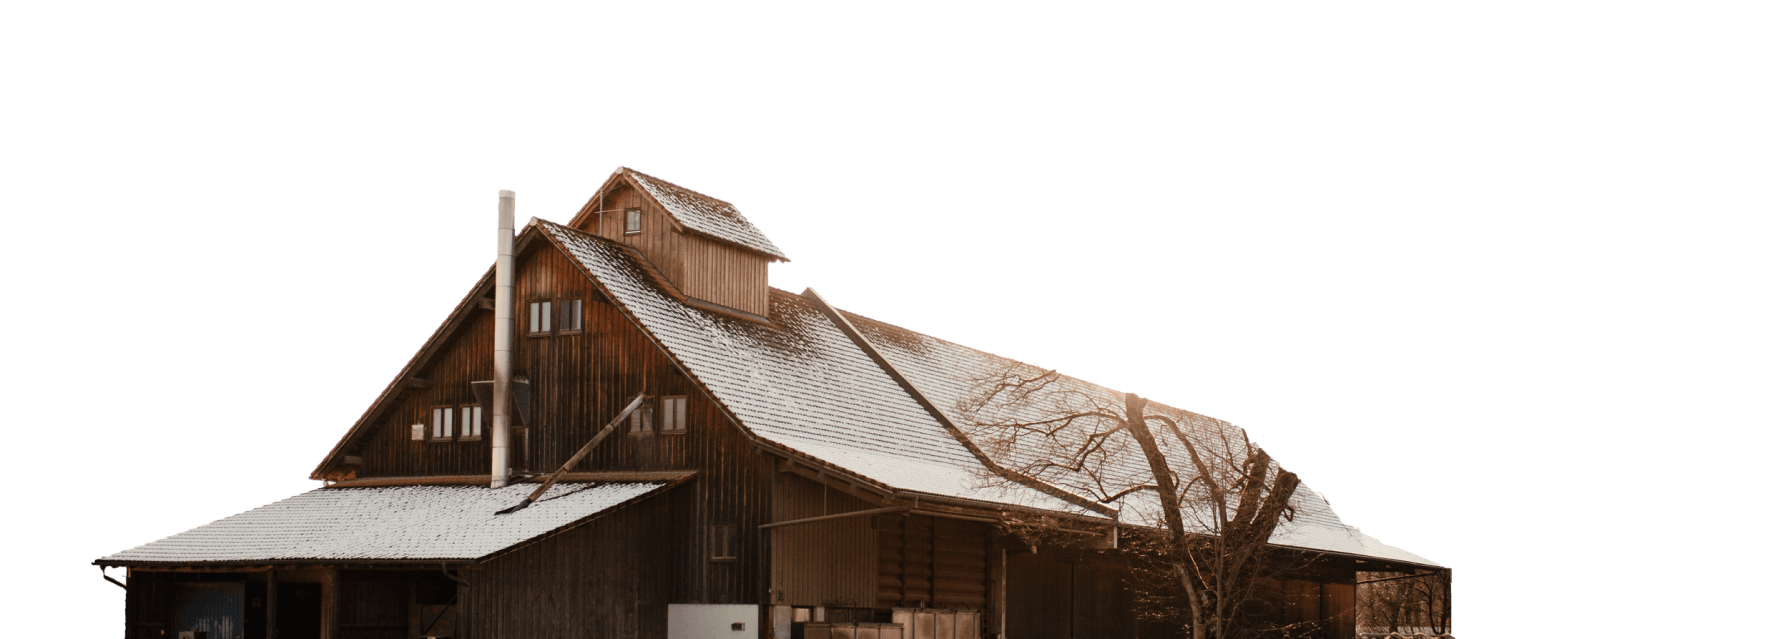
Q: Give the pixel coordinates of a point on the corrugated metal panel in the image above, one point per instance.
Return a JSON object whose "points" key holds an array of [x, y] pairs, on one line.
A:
{"points": [[823, 563], [214, 608]]}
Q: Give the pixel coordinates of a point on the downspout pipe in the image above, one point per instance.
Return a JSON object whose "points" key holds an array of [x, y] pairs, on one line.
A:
{"points": [[505, 341]]}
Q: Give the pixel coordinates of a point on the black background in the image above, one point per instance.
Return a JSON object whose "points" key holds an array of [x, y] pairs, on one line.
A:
{"points": [[1331, 285]]}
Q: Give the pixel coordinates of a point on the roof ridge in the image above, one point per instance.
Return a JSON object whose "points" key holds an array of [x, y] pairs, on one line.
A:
{"points": [[679, 187]]}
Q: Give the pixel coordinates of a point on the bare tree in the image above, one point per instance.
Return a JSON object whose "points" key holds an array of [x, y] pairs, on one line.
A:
{"points": [[1216, 496], [1395, 602]]}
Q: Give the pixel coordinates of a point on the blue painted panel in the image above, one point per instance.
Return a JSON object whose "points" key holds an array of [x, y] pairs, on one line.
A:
{"points": [[213, 608]]}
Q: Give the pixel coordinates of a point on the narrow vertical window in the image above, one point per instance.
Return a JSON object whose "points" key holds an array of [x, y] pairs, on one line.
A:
{"points": [[641, 420], [471, 421], [676, 414], [723, 542], [540, 318], [443, 417], [574, 315], [633, 221], [533, 317]]}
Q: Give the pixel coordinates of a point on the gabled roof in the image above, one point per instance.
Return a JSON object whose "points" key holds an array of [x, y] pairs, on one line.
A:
{"points": [[702, 214], [407, 523], [803, 386]]}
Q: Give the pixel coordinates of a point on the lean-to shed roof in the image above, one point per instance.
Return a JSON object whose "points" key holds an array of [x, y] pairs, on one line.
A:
{"points": [[405, 523]]}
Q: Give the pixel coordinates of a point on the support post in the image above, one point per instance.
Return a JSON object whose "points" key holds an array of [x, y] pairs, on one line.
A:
{"points": [[332, 604], [272, 604]]}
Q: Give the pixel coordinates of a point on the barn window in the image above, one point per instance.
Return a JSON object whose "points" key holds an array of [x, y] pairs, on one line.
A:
{"points": [[471, 421], [676, 414], [443, 421], [641, 419], [633, 221], [724, 542], [571, 319], [464, 422], [540, 317]]}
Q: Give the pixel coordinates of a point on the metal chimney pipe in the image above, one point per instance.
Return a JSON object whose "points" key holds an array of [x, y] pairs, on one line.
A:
{"points": [[505, 340]]}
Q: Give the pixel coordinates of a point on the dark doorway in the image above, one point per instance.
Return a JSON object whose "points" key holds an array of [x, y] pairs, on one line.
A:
{"points": [[300, 611]]}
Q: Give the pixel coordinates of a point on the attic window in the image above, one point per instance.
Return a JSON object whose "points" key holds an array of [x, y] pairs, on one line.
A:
{"points": [[633, 221], [641, 419], [467, 418], [676, 414], [540, 317]]}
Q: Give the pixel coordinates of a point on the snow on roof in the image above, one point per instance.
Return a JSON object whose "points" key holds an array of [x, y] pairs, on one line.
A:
{"points": [[405, 523], [946, 372], [706, 215], [804, 385]]}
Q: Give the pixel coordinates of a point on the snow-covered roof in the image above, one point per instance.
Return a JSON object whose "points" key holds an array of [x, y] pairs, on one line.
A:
{"points": [[405, 523], [804, 385], [706, 215], [946, 373]]}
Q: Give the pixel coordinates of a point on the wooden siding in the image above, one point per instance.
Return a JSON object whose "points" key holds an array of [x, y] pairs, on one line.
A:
{"points": [[700, 267], [827, 563], [608, 578], [387, 448], [934, 562], [1058, 597], [725, 275], [578, 382]]}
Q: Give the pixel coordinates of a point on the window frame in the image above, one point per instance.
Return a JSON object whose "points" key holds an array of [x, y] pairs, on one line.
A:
{"points": [[455, 423], [571, 311], [435, 414], [477, 417], [643, 421], [535, 315], [666, 415], [633, 222], [714, 546]]}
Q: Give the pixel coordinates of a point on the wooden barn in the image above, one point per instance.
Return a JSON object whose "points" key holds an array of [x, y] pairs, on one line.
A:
{"points": [[785, 472]]}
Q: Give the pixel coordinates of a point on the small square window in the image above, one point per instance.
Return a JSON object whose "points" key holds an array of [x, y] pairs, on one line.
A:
{"points": [[633, 222], [723, 542], [676, 414]]}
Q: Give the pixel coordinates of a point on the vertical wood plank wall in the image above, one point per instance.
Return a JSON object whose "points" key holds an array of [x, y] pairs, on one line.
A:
{"points": [[827, 563], [578, 383], [609, 578], [699, 267]]}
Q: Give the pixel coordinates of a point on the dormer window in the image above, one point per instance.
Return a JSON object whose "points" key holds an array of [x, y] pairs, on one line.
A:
{"points": [[633, 222]]}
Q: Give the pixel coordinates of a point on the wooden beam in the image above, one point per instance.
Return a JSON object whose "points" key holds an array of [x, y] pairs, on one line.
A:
{"points": [[579, 455], [856, 513]]}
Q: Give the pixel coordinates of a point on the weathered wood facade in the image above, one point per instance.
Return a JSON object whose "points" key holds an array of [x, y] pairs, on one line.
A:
{"points": [[722, 537]]}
